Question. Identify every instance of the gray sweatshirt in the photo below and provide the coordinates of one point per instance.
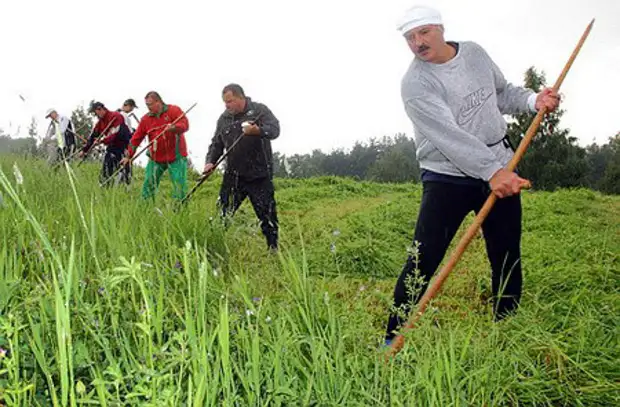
(456, 109)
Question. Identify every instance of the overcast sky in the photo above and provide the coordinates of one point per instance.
(329, 70)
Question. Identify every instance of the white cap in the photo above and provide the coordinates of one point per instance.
(418, 16)
(49, 112)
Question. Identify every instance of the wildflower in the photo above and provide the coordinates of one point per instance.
(336, 232)
(268, 319)
(3, 352)
(101, 290)
(178, 265)
(362, 288)
(80, 388)
(188, 245)
(18, 175)
(249, 312)
(216, 272)
(147, 265)
(332, 247)
(256, 299)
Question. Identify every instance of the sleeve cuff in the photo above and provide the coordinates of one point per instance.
(491, 170)
(531, 102)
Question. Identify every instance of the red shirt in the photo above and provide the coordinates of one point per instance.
(165, 149)
(116, 135)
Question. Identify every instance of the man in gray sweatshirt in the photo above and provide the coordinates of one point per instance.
(455, 96)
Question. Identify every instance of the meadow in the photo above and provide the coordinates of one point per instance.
(107, 300)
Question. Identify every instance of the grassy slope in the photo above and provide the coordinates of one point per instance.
(104, 313)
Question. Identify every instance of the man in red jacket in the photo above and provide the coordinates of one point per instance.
(168, 152)
(112, 131)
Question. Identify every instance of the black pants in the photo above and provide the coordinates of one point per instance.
(64, 153)
(443, 208)
(233, 192)
(111, 162)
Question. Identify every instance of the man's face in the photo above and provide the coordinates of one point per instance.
(100, 112)
(426, 41)
(153, 105)
(127, 108)
(54, 116)
(234, 104)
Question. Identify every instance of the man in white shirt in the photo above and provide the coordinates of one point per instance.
(61, 132)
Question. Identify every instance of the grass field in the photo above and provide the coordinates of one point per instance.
(107, 300)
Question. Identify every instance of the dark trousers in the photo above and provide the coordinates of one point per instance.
(64, 153)
(111, 162)
(233, 192)
(443, 208)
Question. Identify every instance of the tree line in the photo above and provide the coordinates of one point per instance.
(553, 159)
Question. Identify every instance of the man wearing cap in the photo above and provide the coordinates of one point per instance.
(61, 129)
(249, 164)
(168, 152)
(127, 111)
(112, 131)
(455, 96)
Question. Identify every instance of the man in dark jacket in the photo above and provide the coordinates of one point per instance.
(249, 165)
(112, 131)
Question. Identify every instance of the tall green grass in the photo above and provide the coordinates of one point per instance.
(108, 300)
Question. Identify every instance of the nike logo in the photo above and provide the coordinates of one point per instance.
(472, 105)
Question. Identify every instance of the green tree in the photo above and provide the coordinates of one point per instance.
(553, 159)
(598, 158)
(279, 165)
(82, 124)
(397, 161)
(33, 129)
(20, 145)
(610, 183)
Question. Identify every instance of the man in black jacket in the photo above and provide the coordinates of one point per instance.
(249, 165)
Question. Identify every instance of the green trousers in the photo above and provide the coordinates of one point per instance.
(178, 176)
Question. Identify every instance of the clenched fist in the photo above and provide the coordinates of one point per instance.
(506, 183)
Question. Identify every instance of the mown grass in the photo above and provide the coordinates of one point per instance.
(108, 300)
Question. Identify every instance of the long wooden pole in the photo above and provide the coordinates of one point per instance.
(471, 232)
